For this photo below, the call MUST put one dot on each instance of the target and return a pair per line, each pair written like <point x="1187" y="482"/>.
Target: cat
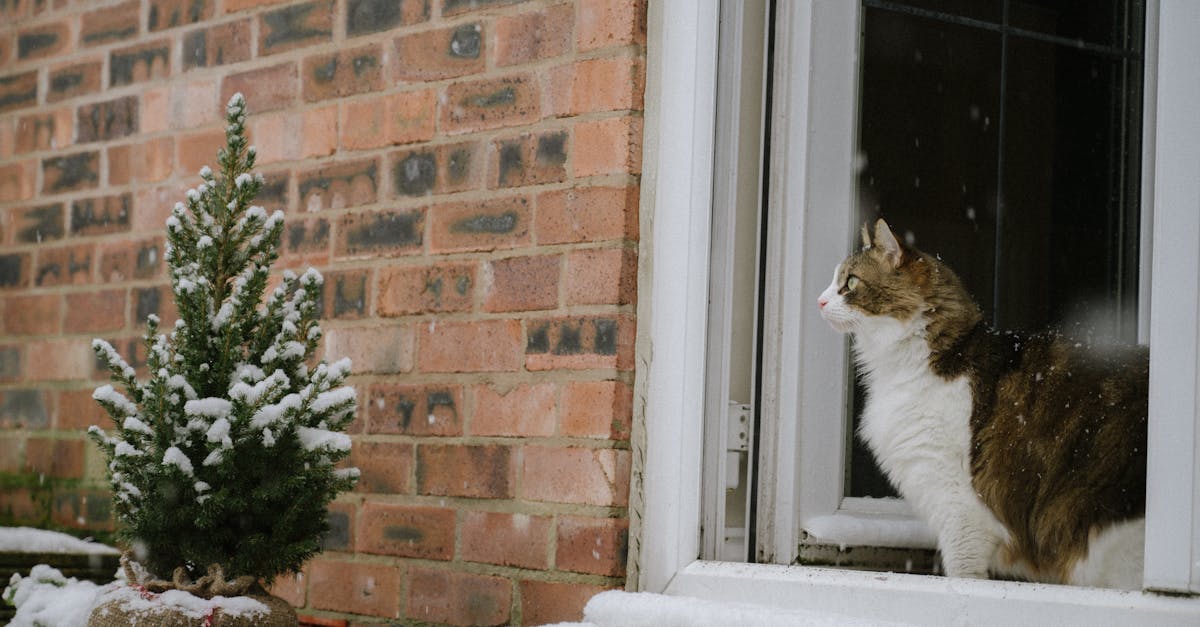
<point x="1025" y="454"/>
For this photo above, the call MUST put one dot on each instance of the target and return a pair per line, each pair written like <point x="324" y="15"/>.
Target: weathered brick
<point x="77" y="411"/>
<point x="341" y="586"/>
<point x="484" y="472"/>
<point x="126" y="260"/>
<point x="34" y="225"/>
<point x="43" y="41"/>
<point x="426" y="289"/>
<point x="596" y="546"/>
<point x="345" y="184"/>
<point x="407" y="531"/>
<point x="78" y="79"/>
<point x="533" y="35"/>
<point x="521" y="283"/>
<point x="597" y="409"/>
<point x="490" y="103"/>
<point x="10" y="363"/>
<point x="150" y="61"/>
<point x="14" y="270"/>
<point x="61" y="459"/>
<point x="106" y="214"/>
<point x="425" y="410"/>
<point x="442" y="170"/>
<point x="529" y="159"/>
<point x="10" y="456"/>
<point x="526" y="410"/>
<point x="82" y="509"/>
<point x="456" y="7"/>
<point x="295" y="26"/>
<point x="385" y="349"/>
<point x="150" y="161"/>
<point x="544" y="602"/>
<point x="604" y="276"/>
<point x="159" y="301"/>
<point x="443" y="53"/>
<point x="95" y="312"/>
<point x="580" y="343"/>
<point x="72" y="172"/>
<point x="43" y="131"/>
<point x="386" y="467"/>
<point x="218" y="45"/>
<point x="233" y="6"/>
<point x="306" y="241"/>
<point x="347" y="295"/>
<point x="608" y="146"/>
<point x="440" y="596"/>
<point x="364" y="17"/>
<point x="24" y="409"/>
<point x="110" y="24"/>
<point x="491" y="224"/>
<point x="166" y="14"/>
<point x="480" y="346"/>
<point x="517" y="540"/>
<point x="343" y="73"/>
<point x="266" y="89"/>
<point x="19" y="505"/>
<point x="59" y="360"/>
<point x="291" y="587"/>
<point x="32" y="314"/>
<point x="341" y="518"/>
<point x="18" y="90"/>
<point x="575" y="475"/>
<point x="381" y="232"/>
<point x="65" y="265"/>
<point x="275" y="191"/>
<point x="587" y="214"/>
<point x="604" y="23"/>
<point x="18" y="181"/>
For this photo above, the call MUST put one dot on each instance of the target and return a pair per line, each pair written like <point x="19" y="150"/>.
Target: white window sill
<point x="927" y="600"/>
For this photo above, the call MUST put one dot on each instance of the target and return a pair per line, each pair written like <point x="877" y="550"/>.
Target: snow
<point x="175" y="457"/>
<point x="866" y="530"/>
<point x="270" y="414"/>
<point x="327" y="400"/>
<point x="29" y="540"/>
<point x="323" y="439"/>
<point x="219" y="432"/>
<point x="211" y="407"/>
<point x="133" y="424"/>
<point x="125" y="449"/>
<point x="106" y="394"/>
<point x="634" y="609"/>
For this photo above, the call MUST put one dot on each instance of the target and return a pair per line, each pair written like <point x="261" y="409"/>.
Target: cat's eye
<point x="852" y="282"/>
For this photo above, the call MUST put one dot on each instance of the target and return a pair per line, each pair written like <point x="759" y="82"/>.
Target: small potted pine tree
<point x="223" y="460"/>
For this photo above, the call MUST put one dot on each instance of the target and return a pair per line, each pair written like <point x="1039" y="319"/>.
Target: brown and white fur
<point x="1026" y="455"/>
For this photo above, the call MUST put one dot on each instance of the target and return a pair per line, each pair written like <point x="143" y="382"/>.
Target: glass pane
<point x="987" y="10"/>
<point x="1101" y="22"/>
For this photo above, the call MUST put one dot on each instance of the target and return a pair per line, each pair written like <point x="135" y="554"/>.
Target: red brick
<point x="386" y="467"/>
<point x="490" y="103"/>
<point x="517" y="540"/>
<point x="380" y="233"/>
<point x="44" y="131"/>
<point x="129" y="260"/>
<point x="59" y="360"/>
<point x="484" y="471"/>
<point x="152" y="206"/>
<point x="345" y="184"/>
<point x="95" y="312"/>
<point x="61" y="459"/>
<point x="490" y="224"/>
<point x="411" y="116"/>
<point x="385" y="349"/>
<point x="597" y="409"/>
<point x="528" y="160"/>
<point x="32" y="314"/>
<point x="65" y="265"/>
<point x="197" y="150"/>
<point x="10" y="454"/>
<point x="295" y="26"/>
<point x="438" y="288"/>
<point x="150" y="161"/>
<point x="197" y="103"/>
<point x="430" y="409"/>
<point x="343" y="73"/>
<point x="576" y="475"/>
<point x="519" y="411"/>
<point x="364" y="123"/>
<point x="347" y="294"/>
<point x="233" y="6"/>
<point x="533" y="35"/>
<point x="604" y="23"/>
<point x="265" y="89"/>
<point x="320" y="132"/>
<point x="601" y="277"/>
<point x="291" y="587"/>
<point x="592" y="545"/>
<point x="341" y="586"/>
<point x="155" y="109"/>
<point x="341" y="517"/>
<point x="217" y="45"/>
<point x="544" y="602"/>
<point x="166" y="14"/>
<point x="406" y="530"/>
<point x="437" y="54"/>
<point x="442" y="170"/>
<point x="278" y="136"/>
<point x="18" y="505"/>
<point x="77" y="410"/>
<point x="521" y="283"/>
<point x="111" y="24"/>
<point x="587" y="214"/>
<point x="481" y="346"/>
<point x="608" y="146"/>
<point x="18" y="90"/>
<point x="18" y="181"/>
<point x="598" y="85"/>
<point x="439" y="596"/>
<point x="77" y="79"/>
<point x="82" y="509"/>
<point x="580" y="343"/>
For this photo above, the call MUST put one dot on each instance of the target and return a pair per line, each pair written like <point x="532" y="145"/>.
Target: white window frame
<point x="676" y="206"/>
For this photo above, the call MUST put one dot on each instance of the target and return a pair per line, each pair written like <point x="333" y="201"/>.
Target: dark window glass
<point x="1005" y="136"/>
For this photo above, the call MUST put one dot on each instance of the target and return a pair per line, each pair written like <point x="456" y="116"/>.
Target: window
<point x="811" y="170"/>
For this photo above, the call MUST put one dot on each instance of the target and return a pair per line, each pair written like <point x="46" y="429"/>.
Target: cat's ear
<point x="887" y="244"/>
<point x="866" y="235"/>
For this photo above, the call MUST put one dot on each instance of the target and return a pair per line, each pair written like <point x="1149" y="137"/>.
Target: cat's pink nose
<point x="822" y="302"/>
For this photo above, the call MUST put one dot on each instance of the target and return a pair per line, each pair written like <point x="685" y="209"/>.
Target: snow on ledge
<point x="615" y="608"/>
<point x="29" y="540"/>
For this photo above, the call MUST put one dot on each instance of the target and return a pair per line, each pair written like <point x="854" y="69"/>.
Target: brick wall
<point x="465" y="174"/>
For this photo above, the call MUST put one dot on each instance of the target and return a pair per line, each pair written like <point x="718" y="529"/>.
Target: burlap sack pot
<point x="181" y="603"/>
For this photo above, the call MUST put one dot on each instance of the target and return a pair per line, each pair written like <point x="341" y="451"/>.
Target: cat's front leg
<point x="968" y="542"/>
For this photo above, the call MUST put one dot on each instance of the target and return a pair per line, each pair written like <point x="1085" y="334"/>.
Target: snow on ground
<point x="29" y="540"/>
